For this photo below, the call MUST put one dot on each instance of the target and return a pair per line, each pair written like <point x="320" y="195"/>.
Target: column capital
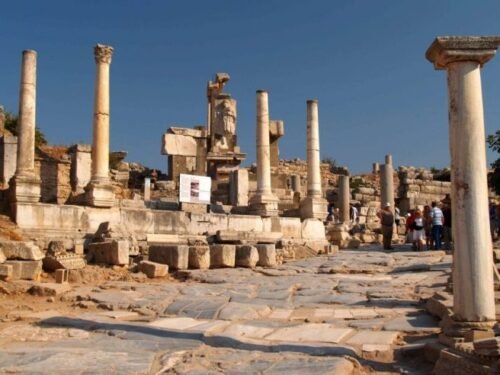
<point x="448" y="49"/>
<point x="103" y="54"/>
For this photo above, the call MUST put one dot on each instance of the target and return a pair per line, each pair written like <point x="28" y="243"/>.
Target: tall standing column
<point x="473" y="293"/>
<point x="387" y="182"/>
<point x="26" y="185"/>
<point x="344" y="198"/>
<point x="264" y="202"/>
<point x="314" y="205"/>
<point x="100" y="191"/>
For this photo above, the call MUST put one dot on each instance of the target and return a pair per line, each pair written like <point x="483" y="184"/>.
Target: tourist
<point x="330" y="208"/>
<point x="428" y="227"/>
<point x="447" y="238"/>
<point x="387" y="220"/>
<point x="410" y="222"/>
<point x="419" y="230"/>
<point x="397" y="217"/>
<point x="437" y="225"/>
<point x="493" y="220"/>
<point x="353" y="214"/>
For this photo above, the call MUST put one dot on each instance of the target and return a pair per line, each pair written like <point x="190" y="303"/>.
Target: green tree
<point x="494" y="177"/>
<point x="11" y="125"/>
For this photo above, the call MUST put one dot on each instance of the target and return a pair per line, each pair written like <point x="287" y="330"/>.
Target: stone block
<point x="62" y="276"/>
<point x="199" y="257"/>
<point x="68" y="261"/>
<point x="222" y="256"/>
<point x="196" y="208"/>
<point x="176" y="256"/>
<point x="246" y="256"/>
<point x="21" y="250"/>
<point x="313" y="229"/>
<point x="3" y="258"/>
<point x="238" y="187"/>
<point x="180" y="145"/>
<point x="49" y="289"/>
<point x="25" y="269"/>
<point x="6" y="271"/>
<point x="267" y="255"/>
<point x="152" y="269"/>
<point x="241" y="237"/>
<point x="114" y="252"/>
<point x="290" y="227"/>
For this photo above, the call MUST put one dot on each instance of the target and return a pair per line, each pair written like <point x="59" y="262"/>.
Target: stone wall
<point x="418" y="189"/>
<point x="53" y="165"/>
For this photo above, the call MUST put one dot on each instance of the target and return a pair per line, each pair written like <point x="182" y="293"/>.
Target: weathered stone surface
<point x="199" y="257"/>
<point x="222" y="256"/>
<point x="25" y="269"/>
<point x="152" y="269"/>
<point x="110" y="252"/>
<point x="3" y="258"/>
<point x="68" y="261"/>
<point x="240" y="237"/>
<point x="177" y="144"/>
<point x="6" y="271"/>
<point x="176" y="256"/>
<point x="267" y="255"/>
<point x="21" y="250"/>
<point x="246" y="256"/>
<point x="49" y="289"/>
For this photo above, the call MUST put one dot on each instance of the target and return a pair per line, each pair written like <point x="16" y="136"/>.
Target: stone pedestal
<point x="99" y="191"/>
<point x="314" y="206"/>
<point x="264" y="202"/>
<point x="473" y="293"/>
<point x="344" y="198"/>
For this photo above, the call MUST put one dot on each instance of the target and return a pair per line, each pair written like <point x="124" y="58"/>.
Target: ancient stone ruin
<point x="282" y="257"/>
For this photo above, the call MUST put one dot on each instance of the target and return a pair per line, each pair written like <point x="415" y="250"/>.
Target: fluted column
<point x="100" y="190"/>
<point x="473" y="293"/>
<point x="264" y="202"/>
<point x="26" y="184"/>
<point x="313" y="206"/>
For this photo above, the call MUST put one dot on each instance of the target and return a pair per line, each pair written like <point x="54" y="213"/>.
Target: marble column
<point x="26" y="185"/>
<point x="344" y="198"/>
<point x="99" y="190"/>
<point x="264" y="202"/>
<point x="387" y="183"/>
<point x="313" y="205"/>
<point x="473" y="294"/>
<point x="375" y="168"/>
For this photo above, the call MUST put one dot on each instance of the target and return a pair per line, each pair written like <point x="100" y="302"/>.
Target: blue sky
<point x="363" y="60"/>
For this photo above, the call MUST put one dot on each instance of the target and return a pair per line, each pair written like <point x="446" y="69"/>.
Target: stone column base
<point x="458" y="329"/>
<point x="263" y="205"/>
<point x="99" y="194"/>
<point x="25" y="189"/>
<point x="313" y="208"/>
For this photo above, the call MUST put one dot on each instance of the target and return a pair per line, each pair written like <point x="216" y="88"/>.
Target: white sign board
<point x="195" y="189"/>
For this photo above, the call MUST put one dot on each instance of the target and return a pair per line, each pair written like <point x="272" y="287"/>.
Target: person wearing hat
<point x="387" y="220"/>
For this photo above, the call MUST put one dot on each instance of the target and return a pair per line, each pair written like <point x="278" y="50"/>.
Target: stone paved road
<point x="351" y="313"/>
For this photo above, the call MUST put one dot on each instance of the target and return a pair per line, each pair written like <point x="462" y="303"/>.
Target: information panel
<point x="195" y="189"/>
